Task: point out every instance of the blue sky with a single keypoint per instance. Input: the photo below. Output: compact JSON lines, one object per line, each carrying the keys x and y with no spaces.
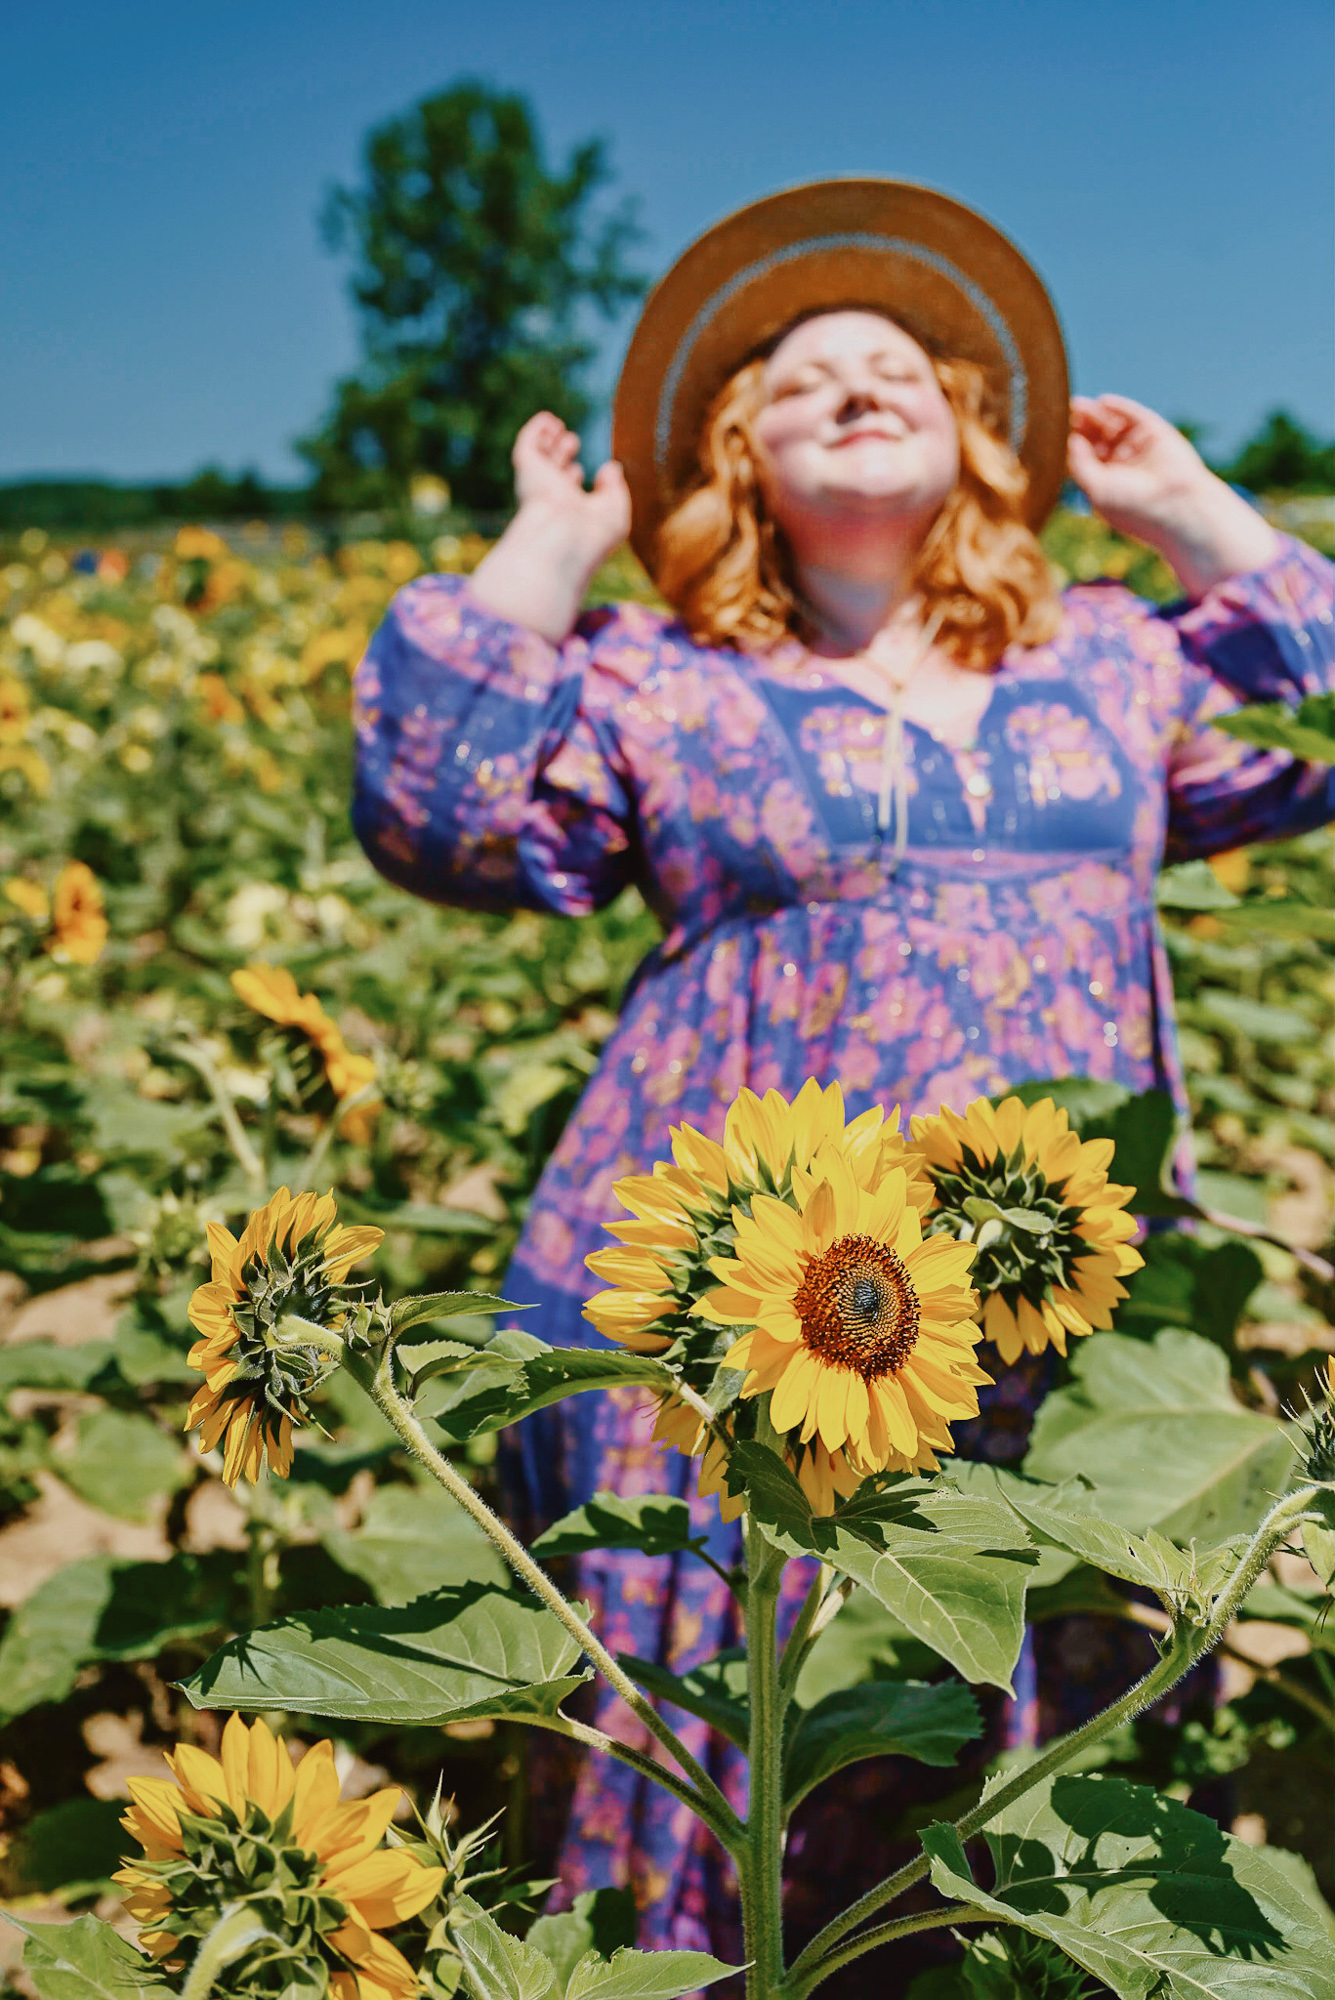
{"x":166,"y":299}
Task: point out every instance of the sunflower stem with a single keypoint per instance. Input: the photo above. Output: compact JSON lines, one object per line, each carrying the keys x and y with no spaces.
{"x":315,"y":1159}
{"x":235,"y":1931}
{"x":373,"y":1374}
{"x":1183,"y":1648}
{"x":762,"y":1869}
{"x":814,"y":1964}
{"x":247,"y":1158}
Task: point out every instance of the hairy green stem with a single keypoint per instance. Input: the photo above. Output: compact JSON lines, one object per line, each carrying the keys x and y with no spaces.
{"x":372,"y":1374}
{"x":247,"y":1158}
{"x":1187,"y":1645}
{"x":762,"y":1868}
{"x":1276,"y":1528}
{"x":858,"y":1947}
{"x":315,"y":1159}
{"x":235,"y":1931}
{"x":790,"y":1664}
{"x":1168,"y":1671}
{"x":648,"y":1767}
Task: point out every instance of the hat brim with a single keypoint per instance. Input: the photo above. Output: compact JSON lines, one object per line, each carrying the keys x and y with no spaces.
{"x":940,"y":270}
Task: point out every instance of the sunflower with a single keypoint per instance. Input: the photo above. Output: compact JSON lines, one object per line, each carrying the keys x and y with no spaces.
{"x":253,"y":1392}
{"x":1052,"y":1252}
{"x":272,"y":991}
{"x":79,"y":924}
{"x":28,"y":896}
{"x":683,"y":1212}
{"x":766,"y":1139}
{"x":860,"y":1332}
{"x":252,"y":1830}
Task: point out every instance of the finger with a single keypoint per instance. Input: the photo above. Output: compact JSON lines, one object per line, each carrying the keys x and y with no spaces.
{"x":1083,"y":462}
{"x":610,"y":478}
{"x":535,"y":437}
{"x":1091,"y":419}
{"x":1126,"y":406}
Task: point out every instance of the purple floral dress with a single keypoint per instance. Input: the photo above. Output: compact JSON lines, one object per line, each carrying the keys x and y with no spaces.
{"x":1016,"y":939}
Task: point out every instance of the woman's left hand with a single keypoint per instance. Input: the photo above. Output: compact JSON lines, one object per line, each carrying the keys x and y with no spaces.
{"x":1148,"y":480}
{"x":1132,"y":463}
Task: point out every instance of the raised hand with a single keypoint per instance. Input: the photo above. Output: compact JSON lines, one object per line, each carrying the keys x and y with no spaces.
{"x":1133,"y":464}
{"x":1149,"y":481}
{"x":548,"y":475}
{"x":539,"y":570}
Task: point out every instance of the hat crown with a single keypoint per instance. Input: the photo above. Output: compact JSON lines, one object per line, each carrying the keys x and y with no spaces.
{"x":937,"y":268}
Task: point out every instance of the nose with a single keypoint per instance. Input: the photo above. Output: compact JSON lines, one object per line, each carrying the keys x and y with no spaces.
{"x":857,"y":401}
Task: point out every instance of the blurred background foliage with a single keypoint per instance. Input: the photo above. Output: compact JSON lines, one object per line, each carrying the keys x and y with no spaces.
{"x":174,"y":719}
{"x":175,"y":767}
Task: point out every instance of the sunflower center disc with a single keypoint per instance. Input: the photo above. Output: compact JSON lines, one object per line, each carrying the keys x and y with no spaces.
{"x":858,"y":1307}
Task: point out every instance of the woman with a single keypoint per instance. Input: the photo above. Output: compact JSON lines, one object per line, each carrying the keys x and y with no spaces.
{"x":898,"y":806}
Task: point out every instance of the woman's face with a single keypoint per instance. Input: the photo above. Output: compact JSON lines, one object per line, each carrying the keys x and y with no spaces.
{"x":854,"y":424}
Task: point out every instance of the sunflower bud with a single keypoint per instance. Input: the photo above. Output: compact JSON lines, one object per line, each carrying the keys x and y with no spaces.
{"x":253,"y":1837}
{"x":287,"y":1272}
{"x":1316,"y":1433}
{"x":1050,"y":1229}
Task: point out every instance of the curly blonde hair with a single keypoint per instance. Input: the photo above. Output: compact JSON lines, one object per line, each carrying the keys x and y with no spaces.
{"x":722,"y":561}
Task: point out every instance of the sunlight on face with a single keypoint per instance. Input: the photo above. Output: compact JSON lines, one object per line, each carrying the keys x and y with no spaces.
{"x":855,"y":423}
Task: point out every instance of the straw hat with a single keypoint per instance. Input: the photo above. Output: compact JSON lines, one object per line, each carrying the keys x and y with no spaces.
{"x":952,"y":280}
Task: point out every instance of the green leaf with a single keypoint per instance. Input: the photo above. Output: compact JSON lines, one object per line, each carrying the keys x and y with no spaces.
{"x":602,"y":1921}
{"x":414,"y":1539}
{"x":74,"y":1847}
{"x":510,"y":1381}
{"x":105,"y":1609}
{"x":1192,"y":885}
{"x":656,"y":1523}
{"x":41,"y":1364}
{"x":1307,"y":732}
{"x":927,"y":1720}
{"x":645,"y":1975}
{"x":1150,"y":1559}
{"x":449,"y":1657}
{"x":1202,"y":1287}
{"x":1254,"y":1018}
{"x":120,"y":1461}
{"x":1285,"y":916}
{"x":952,"y":1567}
{"x":496,"y":1965}
{"x":86,"y":1960}
{"x":1319,"y":1548}
{"x":1156,"y":1428}
{"x":428,"y":1306}
{"x":865,"y":1642}
{"x":715,"y":1690}
{"x":1148,"y":1896}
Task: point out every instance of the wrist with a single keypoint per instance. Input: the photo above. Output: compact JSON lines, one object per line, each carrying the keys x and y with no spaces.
{"x":549,"y":533}
{"x":1206,"y":533}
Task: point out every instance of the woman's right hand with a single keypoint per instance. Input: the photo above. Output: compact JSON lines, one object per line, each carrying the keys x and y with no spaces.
{"x":539,"y":570}
{"x":549,"y":477}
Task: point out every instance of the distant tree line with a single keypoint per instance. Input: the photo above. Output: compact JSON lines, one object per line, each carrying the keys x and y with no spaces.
{"x":479,"y":272}
{"x":109,"y":507}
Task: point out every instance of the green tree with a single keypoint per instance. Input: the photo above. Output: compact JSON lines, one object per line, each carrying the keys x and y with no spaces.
{"x":475,"y":266}
{"x":1283,"y":457}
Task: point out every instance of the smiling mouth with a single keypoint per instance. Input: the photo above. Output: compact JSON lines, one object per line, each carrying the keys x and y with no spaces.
{"x":870,"y":436}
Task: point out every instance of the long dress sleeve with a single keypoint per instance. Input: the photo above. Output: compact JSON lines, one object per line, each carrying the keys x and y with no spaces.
{"x":1263,"y":637}
{"x":481,"y":779}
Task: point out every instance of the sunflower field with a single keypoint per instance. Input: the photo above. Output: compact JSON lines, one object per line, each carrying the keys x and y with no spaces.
{"x":207,"y":993}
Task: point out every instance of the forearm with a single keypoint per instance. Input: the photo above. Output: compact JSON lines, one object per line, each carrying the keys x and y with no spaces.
{"x":536,"y":575}
{"x":1206,"y":533}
